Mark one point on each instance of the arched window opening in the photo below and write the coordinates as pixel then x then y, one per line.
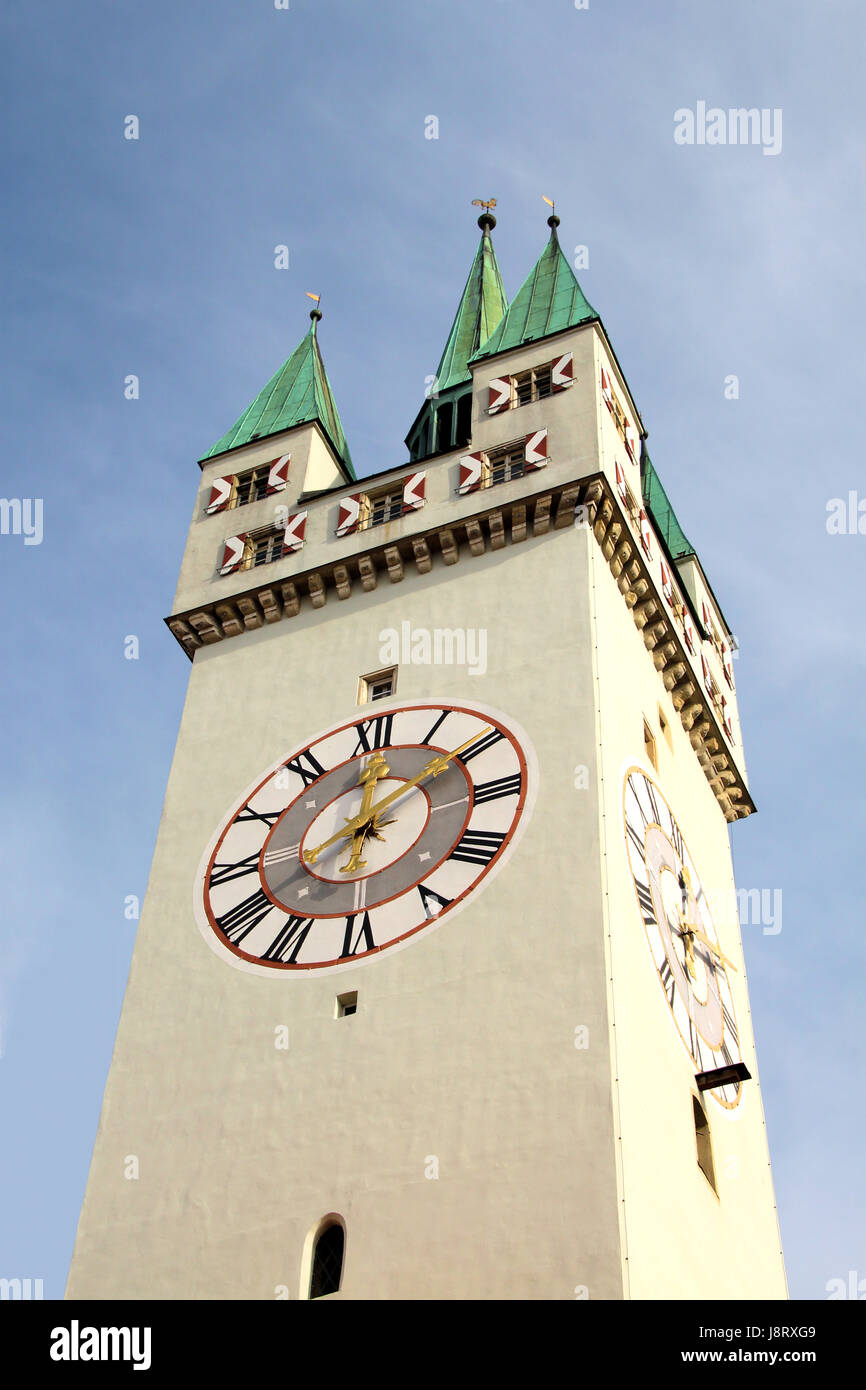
pixel 704 1142
pixel 464 420
pixel 327 1264
pixel 444 425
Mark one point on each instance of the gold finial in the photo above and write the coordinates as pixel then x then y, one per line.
pixel 486 221
pixel 480 203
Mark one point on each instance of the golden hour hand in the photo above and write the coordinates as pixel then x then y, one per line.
pixel 368 821
pixel 689 933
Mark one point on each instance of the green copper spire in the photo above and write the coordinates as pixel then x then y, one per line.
pixel 662 512
pixel 547 302
pixel 297 394
pixel 480 310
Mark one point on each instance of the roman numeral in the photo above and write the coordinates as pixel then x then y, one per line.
pixel 636 837
pixel 364 932
pixel 289 939
pixel 224 873
pixel 433 901
pixel 695 1045
pixel 307 767
pixel 477 846
pixel 726 1054
pixel 266 817
pixel 677 839
pixel 644 897
pixel 481 745
pixel 239 921
pixel 650 791
pixel 730 1025
pixel 443 716
pixel 500 786
pixel 669 984
pixel 639 804
pixel 381 727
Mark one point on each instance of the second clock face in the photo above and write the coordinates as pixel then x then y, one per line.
pixel 365 837
pixel 680 931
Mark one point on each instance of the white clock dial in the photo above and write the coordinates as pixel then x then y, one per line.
pixel 365 837
pixel 680 932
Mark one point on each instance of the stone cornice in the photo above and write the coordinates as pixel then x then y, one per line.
pixel 549 509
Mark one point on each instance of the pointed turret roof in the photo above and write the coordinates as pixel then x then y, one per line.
pixel 663 513
pixel 480 310
pixel 548 301
pixel 298 394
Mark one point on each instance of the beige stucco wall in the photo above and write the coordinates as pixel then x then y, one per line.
pixel 463 1044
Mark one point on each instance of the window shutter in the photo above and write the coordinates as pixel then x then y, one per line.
pixel 667 583
pixel 350 509
pixel 620 483
pixel 705 617
pixel 470 472
pixel 536 449
pixel 220 494
pixel 727 666
pixel 729 726
pixel 632 443
pixel 233 553
pixel 562 371
pixel 293 536
pixel 705 667
pixel 279 473
pixel 606 391
pixel 499 394
pixel 413 492
pixel 688 629
pixel 645 533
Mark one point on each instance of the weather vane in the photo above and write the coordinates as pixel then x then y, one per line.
pixel 480 203
pixel 550 203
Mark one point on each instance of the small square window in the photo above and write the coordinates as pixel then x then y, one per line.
pixel 665 727
pixel 346 1004
pixel 379 685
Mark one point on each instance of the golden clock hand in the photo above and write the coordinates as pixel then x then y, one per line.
pixel 715 950
pixel 432 769
pixel 374 769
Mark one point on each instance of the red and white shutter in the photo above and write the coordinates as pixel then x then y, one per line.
pixel 562 372
pixel 708 680
pixel 499 394
pixel 620 483
pixel 536 449
pixel 220 494
pixel 726 665
pixel 729 725
pixel 705 616
pixel 632 443
pixel 233 553
pixel 293 537
pixel 645 533
pixel 688 629
pixel 350 511
pixel 667 584
pixel 606 391
pixel 470 472
pixel 413 492
pixel 279 474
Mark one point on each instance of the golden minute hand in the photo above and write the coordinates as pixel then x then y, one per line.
pixel 694 931
pixel 431 769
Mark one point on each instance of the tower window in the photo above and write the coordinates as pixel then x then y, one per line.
pixel 666 729
pixel 704 1143
pixel 444 425
pixel 378 507
pixel 532 386
pixel 505 464
pixel 649 745
pixel 327 1263
pixel 380 685
pixel 346 1004
pixel 464 420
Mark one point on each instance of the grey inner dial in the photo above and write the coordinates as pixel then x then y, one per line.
pixel 448 795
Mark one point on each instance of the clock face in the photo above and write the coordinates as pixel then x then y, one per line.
pixel 365 837
pixel 680 932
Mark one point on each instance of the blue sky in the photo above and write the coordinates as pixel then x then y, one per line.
pixel 155 257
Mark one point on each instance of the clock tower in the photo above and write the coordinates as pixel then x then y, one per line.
pixel 438 990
